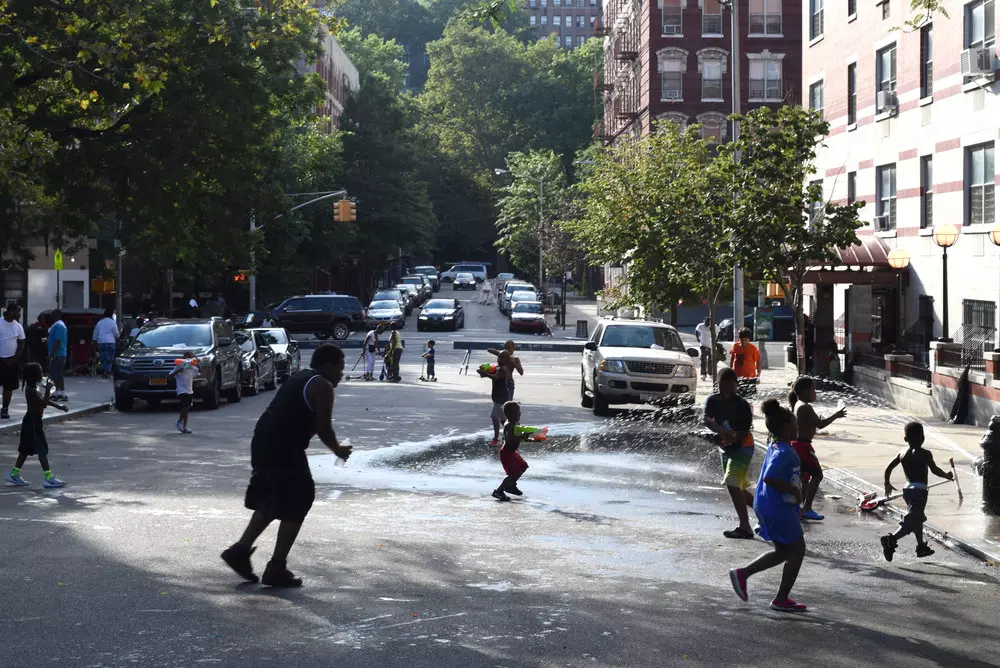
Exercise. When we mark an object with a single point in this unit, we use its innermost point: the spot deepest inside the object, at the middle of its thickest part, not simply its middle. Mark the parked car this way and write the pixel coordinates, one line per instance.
(635, 361)
(501, 280)
(258, 370)
(142, 370)
(431, 273)
(321, 315)
(394, 295)
(254, 318)
(428, 283)
(464, 281)
(441, 314)
(287, 358)
(413, 291)
(386, 312)
(476, 269)
(421, 284)
(521, 296)
(528, 317)
(503, 301)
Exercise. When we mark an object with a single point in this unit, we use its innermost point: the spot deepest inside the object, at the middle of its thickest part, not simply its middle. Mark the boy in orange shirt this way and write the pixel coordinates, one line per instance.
(744, 357)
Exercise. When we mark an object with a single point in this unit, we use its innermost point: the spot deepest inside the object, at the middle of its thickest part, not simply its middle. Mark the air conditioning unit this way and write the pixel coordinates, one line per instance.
(671, 95)
(882, 224)
(885, 101)
(671, 30)
(978, 62)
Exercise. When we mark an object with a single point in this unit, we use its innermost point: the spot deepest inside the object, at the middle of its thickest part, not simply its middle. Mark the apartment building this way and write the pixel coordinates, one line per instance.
(571, 21)
(339, 74)
(672, 59)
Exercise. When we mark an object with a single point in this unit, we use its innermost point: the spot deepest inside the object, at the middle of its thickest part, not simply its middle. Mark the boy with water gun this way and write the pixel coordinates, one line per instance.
(513, 463)
(185, 369)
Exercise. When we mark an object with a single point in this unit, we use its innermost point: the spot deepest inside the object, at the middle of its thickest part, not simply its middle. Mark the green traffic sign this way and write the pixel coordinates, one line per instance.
(58, 260)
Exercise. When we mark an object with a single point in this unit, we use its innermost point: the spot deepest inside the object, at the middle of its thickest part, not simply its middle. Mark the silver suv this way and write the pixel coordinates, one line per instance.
(636, 361)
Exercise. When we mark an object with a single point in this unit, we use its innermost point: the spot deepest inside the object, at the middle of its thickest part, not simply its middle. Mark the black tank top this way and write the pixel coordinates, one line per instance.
(284, 430)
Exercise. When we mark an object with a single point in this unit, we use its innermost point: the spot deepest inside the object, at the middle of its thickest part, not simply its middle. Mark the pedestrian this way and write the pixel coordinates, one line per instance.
(57, 339)
(513, 463)
(193, 307)
(11, 346)
(800, 398)
(514, 364)
(371, 346)
(730, 417)
(268, 320)
(499, 393)
(394, 348)
(106, 335)
(33, 441)
(429, 356)
(776, 503)
(281, 486)
(185, 370)
(744, 357)
(916, 462)
(704, 334)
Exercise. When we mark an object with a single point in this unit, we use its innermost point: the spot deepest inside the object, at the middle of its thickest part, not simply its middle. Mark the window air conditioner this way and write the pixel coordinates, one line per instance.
(881, 223)
(977, 62)
(885, 101)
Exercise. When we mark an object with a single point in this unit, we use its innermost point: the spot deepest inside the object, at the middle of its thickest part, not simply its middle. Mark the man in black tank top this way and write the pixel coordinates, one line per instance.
(281, 486)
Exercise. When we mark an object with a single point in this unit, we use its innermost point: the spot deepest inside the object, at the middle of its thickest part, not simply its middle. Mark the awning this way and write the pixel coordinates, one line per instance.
(865, 263)
(871, 252)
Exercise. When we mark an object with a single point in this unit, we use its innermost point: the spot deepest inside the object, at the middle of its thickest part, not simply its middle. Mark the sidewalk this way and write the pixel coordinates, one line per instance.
(87, 394)
(855, 450)
(577, 308)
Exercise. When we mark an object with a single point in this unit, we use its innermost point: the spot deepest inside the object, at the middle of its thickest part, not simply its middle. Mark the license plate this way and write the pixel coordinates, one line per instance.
(158, 382)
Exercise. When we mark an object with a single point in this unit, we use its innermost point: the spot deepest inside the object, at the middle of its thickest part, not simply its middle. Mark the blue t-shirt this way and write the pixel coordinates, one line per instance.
(778, 512)
(429, 355)
(57, 339)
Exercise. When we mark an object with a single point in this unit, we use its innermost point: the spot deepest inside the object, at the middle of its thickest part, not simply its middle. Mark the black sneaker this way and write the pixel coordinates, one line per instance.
(924, 550)
(499, 495)
(889, 546)
(514, 490)
(277, 575)
(237, 557)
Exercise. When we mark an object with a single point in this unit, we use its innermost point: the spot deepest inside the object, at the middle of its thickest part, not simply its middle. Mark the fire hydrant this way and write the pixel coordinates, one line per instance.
(989, 467)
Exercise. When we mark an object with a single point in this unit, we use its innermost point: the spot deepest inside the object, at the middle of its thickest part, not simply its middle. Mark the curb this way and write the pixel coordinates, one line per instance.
(60, 417)
(554, 346)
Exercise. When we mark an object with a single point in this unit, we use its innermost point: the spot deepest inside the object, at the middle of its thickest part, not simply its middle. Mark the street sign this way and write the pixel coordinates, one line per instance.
(58, 260)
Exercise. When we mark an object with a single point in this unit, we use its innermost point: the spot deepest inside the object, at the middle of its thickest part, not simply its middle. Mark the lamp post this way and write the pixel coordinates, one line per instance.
(945, 236)
(734, 72)
(899, 259)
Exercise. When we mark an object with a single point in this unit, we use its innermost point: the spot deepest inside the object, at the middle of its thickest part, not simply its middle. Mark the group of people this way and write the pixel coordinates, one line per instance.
(790, 477)
(392, 354)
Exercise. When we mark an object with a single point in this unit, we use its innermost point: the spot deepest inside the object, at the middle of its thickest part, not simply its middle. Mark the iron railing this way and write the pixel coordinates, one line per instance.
(868, 359)
(912, 371)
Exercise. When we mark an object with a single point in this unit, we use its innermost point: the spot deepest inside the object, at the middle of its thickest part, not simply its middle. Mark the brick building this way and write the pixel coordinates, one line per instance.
(671, 59)
(571, 21)
(338, 73)
(914, 122)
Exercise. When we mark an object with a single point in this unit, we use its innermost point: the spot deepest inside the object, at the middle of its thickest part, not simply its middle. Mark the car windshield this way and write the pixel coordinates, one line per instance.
(384, 306)
(385, 294)
(642, 336)
(271, 337)
(446, 304)
(174, 335)
(516, 287)
(246, 343)
(426, 270)
(415, 280)
(528, 308)
(464, 277)
(408, 288)
(523, 297)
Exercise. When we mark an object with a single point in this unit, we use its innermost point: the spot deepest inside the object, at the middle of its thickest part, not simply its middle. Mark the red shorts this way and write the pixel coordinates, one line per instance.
(513, 462)
(809, 463)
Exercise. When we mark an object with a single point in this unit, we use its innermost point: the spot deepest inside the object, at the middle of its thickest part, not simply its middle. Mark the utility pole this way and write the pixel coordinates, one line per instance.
(734, 9)
(541, 222)
(253, 264)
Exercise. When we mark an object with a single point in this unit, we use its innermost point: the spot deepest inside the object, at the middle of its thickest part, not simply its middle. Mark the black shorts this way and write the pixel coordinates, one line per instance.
(281, 495)
(33, 441)
(916, 504)
(9, 376)
(186, 400)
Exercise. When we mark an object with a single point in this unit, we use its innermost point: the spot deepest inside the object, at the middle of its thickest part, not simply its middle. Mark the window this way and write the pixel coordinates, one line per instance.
(926, 192)
(593, 19)
(672, 64)
(580, 3)
(545, 20)
(980, 178)
(593, 3)
(816, 96)
(556, 3)
(816, 206)
(581, 21)
(532, 3)
(713, 126)
(927, 61)
(852, 93)
(765, 80)
(711, 17)
(545, 3)
(672, 12)
(852, 187)
(711, 80)
(532, 20)
(885, 71)
(979, 24)
(568, 41)
(816, 21)
(580, 39)
(557, 20)
(978, 318)
(765, 17)
(852, 7)
(885, 196)
(885, 9)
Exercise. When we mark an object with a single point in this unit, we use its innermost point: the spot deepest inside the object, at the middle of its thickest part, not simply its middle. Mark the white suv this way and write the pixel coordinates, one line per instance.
(477, 270)
(635, 361)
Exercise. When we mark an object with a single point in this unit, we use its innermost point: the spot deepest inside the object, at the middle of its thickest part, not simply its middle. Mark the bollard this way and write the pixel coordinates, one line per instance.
(990, 467)
(581, 329)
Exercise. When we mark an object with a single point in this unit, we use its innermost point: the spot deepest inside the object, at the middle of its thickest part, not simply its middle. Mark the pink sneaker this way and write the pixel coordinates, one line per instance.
(739, 583)
(787, 605)
(494, 443)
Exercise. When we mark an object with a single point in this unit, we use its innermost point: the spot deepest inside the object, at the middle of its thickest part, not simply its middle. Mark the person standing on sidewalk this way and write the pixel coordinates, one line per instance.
(11, 346)
(800, 398)
(744, 358)
(395, 345)
(704, 334)
(57, 340)
(370, 350)
(106, 335)
(730, 417)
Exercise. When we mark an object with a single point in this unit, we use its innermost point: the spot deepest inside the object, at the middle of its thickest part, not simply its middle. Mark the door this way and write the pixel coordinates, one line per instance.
(229, 355)
(589, 357)
(72, 294)
(294, 315)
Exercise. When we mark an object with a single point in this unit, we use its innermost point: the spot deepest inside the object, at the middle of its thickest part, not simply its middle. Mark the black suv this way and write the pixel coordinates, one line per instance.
(143, 369)
(321, 315)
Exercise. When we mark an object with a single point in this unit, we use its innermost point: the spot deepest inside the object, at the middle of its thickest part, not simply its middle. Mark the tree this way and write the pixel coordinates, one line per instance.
(781, 233)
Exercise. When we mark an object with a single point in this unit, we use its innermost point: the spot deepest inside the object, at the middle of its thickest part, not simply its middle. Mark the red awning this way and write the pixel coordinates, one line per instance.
(871, 252)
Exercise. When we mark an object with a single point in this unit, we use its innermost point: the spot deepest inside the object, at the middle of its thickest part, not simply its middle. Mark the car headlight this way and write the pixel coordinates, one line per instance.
(422, 317)
(247, 364)
(614, 366)
(124, 362)
(449, 317)
(684, 371)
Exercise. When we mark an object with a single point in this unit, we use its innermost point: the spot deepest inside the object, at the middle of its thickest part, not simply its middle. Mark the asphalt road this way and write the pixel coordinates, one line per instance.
(614, 557)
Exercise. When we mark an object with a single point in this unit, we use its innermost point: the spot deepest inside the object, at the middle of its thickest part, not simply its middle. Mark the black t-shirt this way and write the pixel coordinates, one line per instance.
(733, 412)
(500, 393)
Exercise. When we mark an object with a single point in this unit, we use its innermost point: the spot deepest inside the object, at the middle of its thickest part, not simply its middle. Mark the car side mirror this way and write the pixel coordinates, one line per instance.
(693, 352)
(225, 341)
(591, 346)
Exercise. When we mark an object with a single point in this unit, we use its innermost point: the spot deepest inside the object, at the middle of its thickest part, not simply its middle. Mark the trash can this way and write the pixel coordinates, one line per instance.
(990, 467)
(581, 329)
(790, 355)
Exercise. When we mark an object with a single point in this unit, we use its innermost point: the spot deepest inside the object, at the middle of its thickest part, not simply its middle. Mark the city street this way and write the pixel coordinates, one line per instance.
(614, 557)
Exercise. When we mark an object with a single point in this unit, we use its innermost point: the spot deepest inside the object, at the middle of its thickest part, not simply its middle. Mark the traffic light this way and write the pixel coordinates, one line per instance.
(353, 212)
(345, 211)
(337, 217)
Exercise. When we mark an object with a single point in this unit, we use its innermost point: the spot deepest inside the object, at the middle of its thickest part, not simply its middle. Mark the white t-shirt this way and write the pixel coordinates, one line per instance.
(267, 323)
(10, 333)
(106, 331)
(185, 378)
(193, 303)
(704, 335)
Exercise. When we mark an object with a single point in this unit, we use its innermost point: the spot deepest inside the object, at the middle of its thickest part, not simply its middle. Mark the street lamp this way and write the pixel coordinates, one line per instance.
(734, 72)
(945, 236)
(899, 259)
(541, 195)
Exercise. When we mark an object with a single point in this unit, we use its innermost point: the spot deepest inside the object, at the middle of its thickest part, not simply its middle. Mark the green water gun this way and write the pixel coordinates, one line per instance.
(531, 433)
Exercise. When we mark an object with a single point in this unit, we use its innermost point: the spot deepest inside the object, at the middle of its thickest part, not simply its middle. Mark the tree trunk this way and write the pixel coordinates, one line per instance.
(800, 328)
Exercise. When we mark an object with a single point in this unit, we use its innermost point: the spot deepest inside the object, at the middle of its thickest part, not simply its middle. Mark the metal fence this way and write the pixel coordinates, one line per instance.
(975, 340)
(912, 371)
(869, 359)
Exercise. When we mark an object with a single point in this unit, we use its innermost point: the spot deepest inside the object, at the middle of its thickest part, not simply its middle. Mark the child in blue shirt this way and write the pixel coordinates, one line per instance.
(779, 493)
(429, 356)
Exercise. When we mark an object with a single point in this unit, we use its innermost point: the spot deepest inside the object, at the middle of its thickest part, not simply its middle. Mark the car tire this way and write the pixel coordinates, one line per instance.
(585, 401)
(253, 389)
(600, 404)
(124, 403)
(341, 331)
(214, 396)
(273, 383)
(235, 395)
